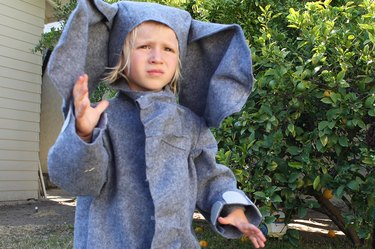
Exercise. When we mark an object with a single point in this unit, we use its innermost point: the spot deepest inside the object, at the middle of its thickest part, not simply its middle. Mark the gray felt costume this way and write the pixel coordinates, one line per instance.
(151, 161)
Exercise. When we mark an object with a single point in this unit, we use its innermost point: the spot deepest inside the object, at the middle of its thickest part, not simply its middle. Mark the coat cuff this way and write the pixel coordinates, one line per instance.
(87, 175)
(234, 198)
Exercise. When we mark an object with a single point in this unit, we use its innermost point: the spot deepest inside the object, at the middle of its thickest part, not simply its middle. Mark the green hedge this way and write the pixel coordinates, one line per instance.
(303, 128)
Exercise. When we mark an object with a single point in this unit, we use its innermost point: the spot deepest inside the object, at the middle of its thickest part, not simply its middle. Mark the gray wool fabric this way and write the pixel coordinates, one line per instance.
(151, 162)
(216, 61)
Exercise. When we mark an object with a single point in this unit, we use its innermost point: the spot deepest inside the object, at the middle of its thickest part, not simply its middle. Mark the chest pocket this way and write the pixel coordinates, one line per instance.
(177, 142)
(170, 150)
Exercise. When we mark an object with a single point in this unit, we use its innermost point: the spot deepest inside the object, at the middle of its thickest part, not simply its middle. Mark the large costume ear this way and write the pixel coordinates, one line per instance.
(217, 72)
(216, 61)
(84, 39)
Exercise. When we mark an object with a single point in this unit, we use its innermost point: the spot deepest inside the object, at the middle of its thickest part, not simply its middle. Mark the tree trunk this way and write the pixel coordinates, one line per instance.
(335, 215)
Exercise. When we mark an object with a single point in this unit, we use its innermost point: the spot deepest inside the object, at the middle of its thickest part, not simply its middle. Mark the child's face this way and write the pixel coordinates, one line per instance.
(154, 57)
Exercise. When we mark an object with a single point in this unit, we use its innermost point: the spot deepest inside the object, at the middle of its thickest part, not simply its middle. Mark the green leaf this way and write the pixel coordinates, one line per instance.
(316, 182)
(264, 210)
(351, 37)
(302, 212)
(353, 185)
(293, 177)
(361, 124)
(344, 84)
(340, 75)
(273, 166)
(295, 165)
(279, 177)
(334, 113)
(359, 180)
(326, 100)
(269, 219)
(371, 37)
(322, 125)
(326, 178)
(369, 160)
(260, 194)
(293, 150)
(268, 179)
(291, 129)
(331, 124)
(369, 102)
(340, 191)
(335, 97)
(276, 198)
(319, 146)
(324, 140)
(343, 141)
(292, 26)
(317, 57)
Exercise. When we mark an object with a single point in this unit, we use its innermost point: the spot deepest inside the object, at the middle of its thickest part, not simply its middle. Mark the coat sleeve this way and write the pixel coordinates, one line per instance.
(76, 166)
(217, 188)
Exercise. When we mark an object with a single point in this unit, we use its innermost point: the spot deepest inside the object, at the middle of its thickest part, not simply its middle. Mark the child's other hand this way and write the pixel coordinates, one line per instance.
(87, 117)
(238, 219)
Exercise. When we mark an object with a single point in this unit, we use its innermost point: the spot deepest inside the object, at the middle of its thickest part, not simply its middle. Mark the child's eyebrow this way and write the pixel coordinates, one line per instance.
(171, 45)
(151, 41)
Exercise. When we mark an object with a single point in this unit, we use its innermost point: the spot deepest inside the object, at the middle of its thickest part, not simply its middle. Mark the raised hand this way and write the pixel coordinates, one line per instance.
(87, 117)
(238, 219)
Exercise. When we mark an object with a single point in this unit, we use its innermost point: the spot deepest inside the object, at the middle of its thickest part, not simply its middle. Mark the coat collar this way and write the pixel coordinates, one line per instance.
(144, 98)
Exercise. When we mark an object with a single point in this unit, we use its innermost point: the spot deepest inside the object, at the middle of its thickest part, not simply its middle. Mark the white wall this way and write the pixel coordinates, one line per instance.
(21, 24)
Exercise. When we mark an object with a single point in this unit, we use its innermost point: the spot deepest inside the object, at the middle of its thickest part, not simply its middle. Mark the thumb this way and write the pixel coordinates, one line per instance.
(223, 221)
(102, 106)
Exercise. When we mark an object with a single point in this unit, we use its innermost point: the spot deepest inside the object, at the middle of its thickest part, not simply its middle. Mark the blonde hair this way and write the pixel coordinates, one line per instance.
(123, 64)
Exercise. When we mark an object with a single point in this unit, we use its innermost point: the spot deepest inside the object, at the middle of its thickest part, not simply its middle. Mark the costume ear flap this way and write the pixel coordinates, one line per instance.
(82, 47)
(217, 78)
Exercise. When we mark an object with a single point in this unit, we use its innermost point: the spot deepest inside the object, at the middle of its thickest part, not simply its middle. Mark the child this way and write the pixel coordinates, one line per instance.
(141, 163)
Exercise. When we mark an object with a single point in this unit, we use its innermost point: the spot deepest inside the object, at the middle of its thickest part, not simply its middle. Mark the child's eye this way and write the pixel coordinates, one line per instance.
(144, 47)
(169, 49)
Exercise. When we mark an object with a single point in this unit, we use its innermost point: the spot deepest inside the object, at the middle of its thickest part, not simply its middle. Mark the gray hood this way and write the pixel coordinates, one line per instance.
(216, 61)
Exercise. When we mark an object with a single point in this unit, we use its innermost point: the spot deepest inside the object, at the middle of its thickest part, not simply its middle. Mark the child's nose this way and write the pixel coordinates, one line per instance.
(156, 56)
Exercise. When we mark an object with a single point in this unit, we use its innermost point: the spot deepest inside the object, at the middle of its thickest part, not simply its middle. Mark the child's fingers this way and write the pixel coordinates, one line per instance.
(258, 243)
(80, 94)
(254, 234)
(81, 106)
(80, 87)
(249, 230)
